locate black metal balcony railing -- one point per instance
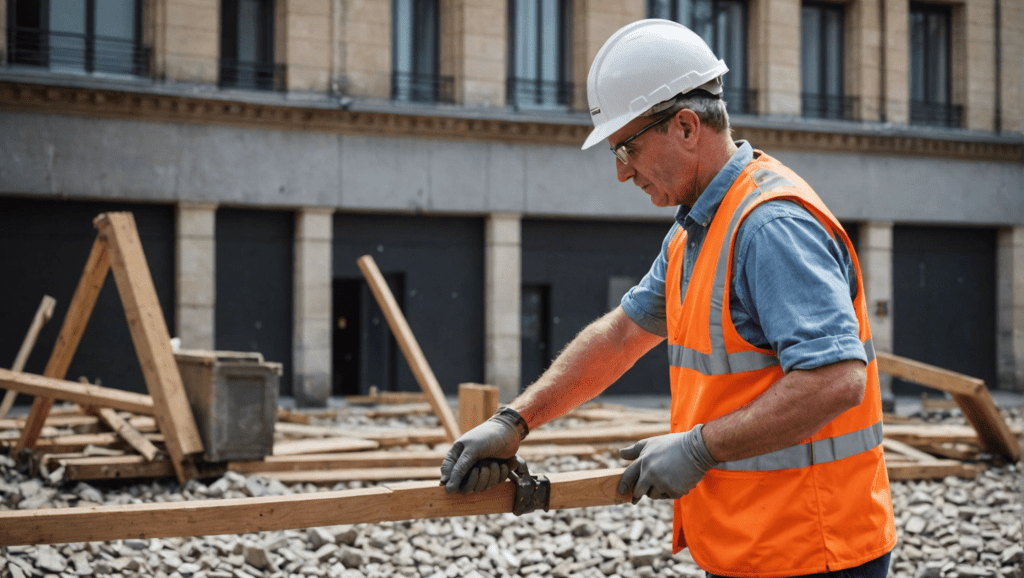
(530, 92)
(740, 100)
(73, 51)
(936, 114)
(832, 107)
(415, 87)
(252, 75)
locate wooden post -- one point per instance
(127, 432)
(476, 403)
(75, 320)
(43, 315)
(407, 341)
(82, 393)
(152, 341)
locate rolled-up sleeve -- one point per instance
(793, 281)
(645, 302)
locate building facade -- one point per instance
(265, 145)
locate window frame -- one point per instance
(264, 73)
(536, 93)
(928, 110)
(416, 84)
(92, 59)
(818, 103)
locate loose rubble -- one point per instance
(950, 528)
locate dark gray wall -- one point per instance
(440, 261)
(255, 272)
(44, 245)
(576, 259)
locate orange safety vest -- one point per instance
(819, 506)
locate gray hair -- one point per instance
(708, 108)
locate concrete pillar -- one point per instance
(593, 24)
(311, 345)
(1010, 308)
(196, 279)
(502, 294)
(863, 59)
(875, 254)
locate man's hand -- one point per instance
(666, 467)
(461, 470)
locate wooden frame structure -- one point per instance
(118, 250)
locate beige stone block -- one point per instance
(484, 93)
(315, 27)
(196, 220)
(190, 69)
(369, 12)
(309, 54)
(313, 262)
(504, 229)
(314, 224)
(206, 18)
(191, 42)
(313, 360)
(309, 8)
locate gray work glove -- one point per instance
(482, 458)
(666, 467)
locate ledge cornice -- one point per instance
(173, 108)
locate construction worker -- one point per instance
(775, 461)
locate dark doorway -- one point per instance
(535, 333)
(365, 351)
(944, 287)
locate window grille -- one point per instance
(247, 46)
(415, 72)
(539, 70)
(931, 100)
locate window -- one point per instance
(539, 68)
(101, 36)
(247, 46)
(415, 47)
(821, 62)
(723, 25)
(930, 84)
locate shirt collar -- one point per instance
(707, 204)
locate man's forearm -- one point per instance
(790, 411)
(592, 361)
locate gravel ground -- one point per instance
(950, 528)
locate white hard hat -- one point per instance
(643, 64)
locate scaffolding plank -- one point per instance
(83, 393)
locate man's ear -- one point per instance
(689, 123)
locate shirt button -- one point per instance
(693, 244)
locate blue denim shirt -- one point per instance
(792, 281)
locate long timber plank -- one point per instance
(71, 330)
(408, 501)
(152, 341)
(410, 347)
(86, 394)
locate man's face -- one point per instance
(659, 163)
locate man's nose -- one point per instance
(623, 171)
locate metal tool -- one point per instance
(532, 493)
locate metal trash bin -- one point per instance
(234, 400)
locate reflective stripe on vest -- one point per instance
(709, 364)
(819, 452)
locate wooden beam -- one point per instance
(410, 347)
(152, 341)
(968, 392)
(129, 434)
(926, 434)
(386, 474)
(477, 403)
(42, 316)
(323, 445)
(386, 397)
(75, 320)
(86, 394)
(934, 469)
(408, 501)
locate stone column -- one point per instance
(185, 36)
(311, 345)
(1010, 308)
(895, 35)
(196, 279)
(305, 44)
(875, 255)
(774, 65)
(473, 48)
(502, 294)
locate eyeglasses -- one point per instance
(622, 153)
